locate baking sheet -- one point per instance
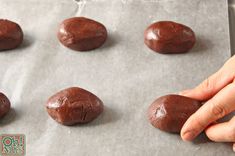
(231, 4)
(124, 73)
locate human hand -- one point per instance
(219, 92)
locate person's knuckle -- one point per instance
(207, 85)
(218, 110)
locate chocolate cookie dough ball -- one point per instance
(4, 105)
(170, 112)
(168, 37)
(11, 35)
(82, 34)
(74, 105)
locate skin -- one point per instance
(219, 93)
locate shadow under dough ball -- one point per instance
(82, 34)
(169, 37)
(5, 105)
(11, 35)
(74, 105)
(170, 112)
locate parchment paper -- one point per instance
(124, 73)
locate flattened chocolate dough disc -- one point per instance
(170, 112)
(169, 37)
(11, 35)
(74, 105)
(82, 34)
(5, 105)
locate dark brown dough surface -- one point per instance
(11, 35)
(82, 34)
(74, 105)
(168, 37)
(5, 105)
(170, 112)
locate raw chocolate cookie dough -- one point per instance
(168, 37)
(82, 34)
(74, 105)
(170, 112)
(11, 35)
(4, 105)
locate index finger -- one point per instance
(220, 105)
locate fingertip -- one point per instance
(188, 135)
(233, 147)
(209, 133)
(188, 131)
(182, 132)
(221, 132)
(210, 127)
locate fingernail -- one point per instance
(189, 135)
